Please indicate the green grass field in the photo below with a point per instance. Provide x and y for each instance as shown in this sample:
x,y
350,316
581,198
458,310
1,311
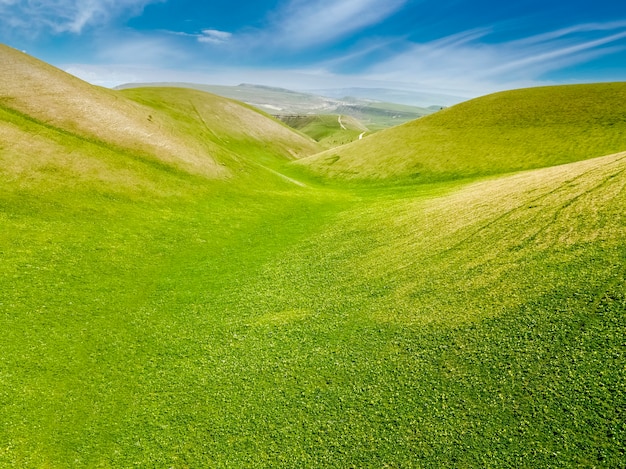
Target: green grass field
x,y
157,316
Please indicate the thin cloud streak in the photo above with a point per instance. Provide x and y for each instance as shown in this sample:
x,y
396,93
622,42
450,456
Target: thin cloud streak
x,y
206,36
577,29
303,24
213,36
546,60
463,63
64,16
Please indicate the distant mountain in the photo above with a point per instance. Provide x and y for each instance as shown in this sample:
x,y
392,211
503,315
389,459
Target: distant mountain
x,y
409,98
375,114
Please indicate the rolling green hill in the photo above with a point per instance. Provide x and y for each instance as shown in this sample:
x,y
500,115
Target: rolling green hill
x,y
53,124
232,312
508,131
238,134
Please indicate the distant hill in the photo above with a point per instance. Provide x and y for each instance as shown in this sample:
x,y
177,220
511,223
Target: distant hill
x,y
329,130
498,133
375,114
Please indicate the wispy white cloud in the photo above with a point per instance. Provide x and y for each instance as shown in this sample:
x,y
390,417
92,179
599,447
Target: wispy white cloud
x,y
298,25
304,23
206,36
538,61
572,30
468,63
214,36
64,16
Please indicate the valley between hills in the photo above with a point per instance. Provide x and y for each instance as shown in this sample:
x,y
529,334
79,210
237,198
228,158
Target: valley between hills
x,y
187,281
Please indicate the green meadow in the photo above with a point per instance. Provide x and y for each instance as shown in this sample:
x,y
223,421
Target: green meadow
x,y
194,298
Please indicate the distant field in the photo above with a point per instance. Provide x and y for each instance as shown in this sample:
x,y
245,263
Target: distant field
x,y
329,131
155,314
381,115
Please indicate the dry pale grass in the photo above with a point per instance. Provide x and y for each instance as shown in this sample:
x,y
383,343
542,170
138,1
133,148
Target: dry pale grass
x,y
432,225
60,100
28,159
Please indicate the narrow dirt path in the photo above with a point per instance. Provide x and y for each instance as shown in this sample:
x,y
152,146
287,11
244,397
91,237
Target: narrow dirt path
x,y
341,123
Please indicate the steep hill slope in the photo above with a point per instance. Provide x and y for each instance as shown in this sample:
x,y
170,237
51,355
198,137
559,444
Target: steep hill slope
x,y
53,122
60,102
503,132
229,124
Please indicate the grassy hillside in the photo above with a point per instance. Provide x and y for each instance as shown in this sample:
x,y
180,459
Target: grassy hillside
x,y
53,123
41,95
238,134
154,317
329,131
503,132
221,327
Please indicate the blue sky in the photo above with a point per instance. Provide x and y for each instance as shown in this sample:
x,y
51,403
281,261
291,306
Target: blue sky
x,y
460,47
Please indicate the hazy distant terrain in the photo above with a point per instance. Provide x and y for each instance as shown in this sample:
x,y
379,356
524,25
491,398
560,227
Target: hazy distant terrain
x,y
375,114
186,281
406,97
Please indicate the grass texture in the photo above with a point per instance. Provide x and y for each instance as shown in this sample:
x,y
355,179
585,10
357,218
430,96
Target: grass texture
x,y
154,316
